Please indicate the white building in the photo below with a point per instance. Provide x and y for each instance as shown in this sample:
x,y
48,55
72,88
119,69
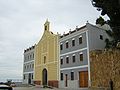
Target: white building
x,y
75,47
28,65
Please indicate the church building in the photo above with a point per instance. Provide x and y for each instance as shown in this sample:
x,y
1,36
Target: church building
x,y
63,61
46,69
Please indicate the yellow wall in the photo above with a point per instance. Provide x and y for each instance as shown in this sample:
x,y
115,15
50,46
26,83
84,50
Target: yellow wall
x,y
47,46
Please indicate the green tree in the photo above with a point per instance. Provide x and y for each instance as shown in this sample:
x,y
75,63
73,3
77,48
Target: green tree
x,y
112,9
100,21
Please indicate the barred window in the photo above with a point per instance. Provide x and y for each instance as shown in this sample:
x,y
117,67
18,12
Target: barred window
x,y
73,42
80,40
81,57
61,47
73,58
67,45
72,75
61,61
67,60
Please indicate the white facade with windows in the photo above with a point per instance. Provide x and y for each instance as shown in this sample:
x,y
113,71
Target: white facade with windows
x,y
28,65
75,47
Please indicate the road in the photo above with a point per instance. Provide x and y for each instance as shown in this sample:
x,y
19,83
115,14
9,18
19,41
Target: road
x,y
34,88
31,88
38,88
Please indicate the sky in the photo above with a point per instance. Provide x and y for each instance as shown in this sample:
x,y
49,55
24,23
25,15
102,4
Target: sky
x,y
22,25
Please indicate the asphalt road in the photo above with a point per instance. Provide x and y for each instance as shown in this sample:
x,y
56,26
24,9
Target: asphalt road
x,y
31,88
38,88
34,88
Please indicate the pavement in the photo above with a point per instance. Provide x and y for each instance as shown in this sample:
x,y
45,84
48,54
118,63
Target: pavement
x,y
30,88
39,88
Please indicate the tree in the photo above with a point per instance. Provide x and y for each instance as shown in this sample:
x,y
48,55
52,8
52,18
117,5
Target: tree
x,y
112,9
100,21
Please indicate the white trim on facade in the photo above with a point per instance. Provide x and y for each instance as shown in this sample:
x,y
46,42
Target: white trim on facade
x,y
28,72
67,56
89,83
66,41
74,51
28,62
73,55
80,36
69,68
73,39
81,53
61,57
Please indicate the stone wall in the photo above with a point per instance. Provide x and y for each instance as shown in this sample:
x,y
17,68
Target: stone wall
x,y
105,65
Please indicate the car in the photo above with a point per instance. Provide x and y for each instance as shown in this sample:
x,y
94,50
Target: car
x,y
13,85
5,87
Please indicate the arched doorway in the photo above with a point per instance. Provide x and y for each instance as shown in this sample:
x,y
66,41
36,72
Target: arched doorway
x,y
44,77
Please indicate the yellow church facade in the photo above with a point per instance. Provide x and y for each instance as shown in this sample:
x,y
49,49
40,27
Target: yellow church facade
x,y
46,69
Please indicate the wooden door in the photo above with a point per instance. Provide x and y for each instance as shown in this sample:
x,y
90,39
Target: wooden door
x,y
66,80
83,79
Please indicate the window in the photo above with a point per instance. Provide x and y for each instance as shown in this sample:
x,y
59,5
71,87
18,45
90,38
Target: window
x,y
32,76
81,57
61,76
67,45
24,77
61,61
25,66
30,56
73,58
45,27
72,75
67,59
101,37
80,40
33,55
32,65
61,47
44,59
73,42
25,58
